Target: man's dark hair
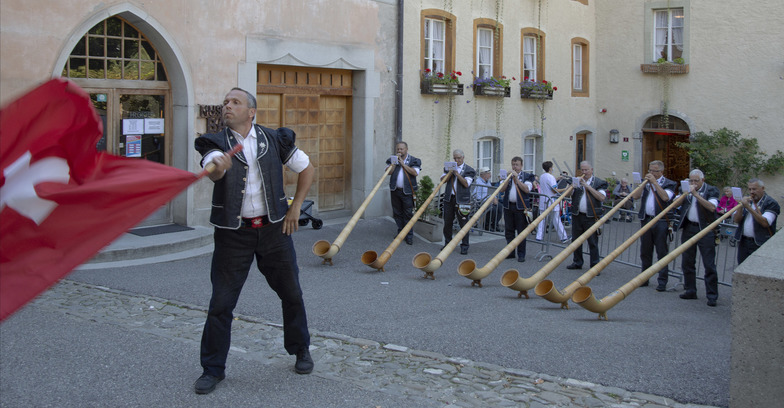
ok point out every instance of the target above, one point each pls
(547, 166)
(517, 159)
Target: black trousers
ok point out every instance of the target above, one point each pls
(707, 247)
(515, 222)
(746, 247)
(580, 223)
(231, 260)
(450, 212)
(402, 209)
(656, 237)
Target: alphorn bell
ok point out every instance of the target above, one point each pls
(423, 260)
(323, 248)
(468, 267)
(511, 278)
(546, 288)
(372, 259)
(584, 296)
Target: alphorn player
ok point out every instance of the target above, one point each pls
(587, 199)
(516, 202)
(698, 211)
(656, 196)
(457, 197)
(757, 221)
(402, 185)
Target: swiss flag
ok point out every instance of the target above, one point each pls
(61, 201)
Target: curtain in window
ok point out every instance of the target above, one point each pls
(529, 58)
(660, 34)
(434, 45)
(529, 154)
(677, 32)
(578, 67)
(485, 57)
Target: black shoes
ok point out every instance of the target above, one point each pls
(574, 266)
(304, 363)
(521, 259)
(206, 383)
(661, 288)
(409, 240)
(463, 251)
(712, 302)
(691, 295)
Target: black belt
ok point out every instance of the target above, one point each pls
(687, 222)
(255, 222)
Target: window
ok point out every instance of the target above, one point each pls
(533, 54)
(668, 34)
(484, 153)
(529, 155)
(434, 45)
(488, 48)
(484, 53)
(438, 48)
(580, 67)
(114, 49)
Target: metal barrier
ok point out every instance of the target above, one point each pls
(614, 233)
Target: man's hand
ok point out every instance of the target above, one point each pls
(222, 163)
(291, 221)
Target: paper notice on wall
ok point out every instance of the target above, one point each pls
(153, 126)
(737, 194)
(133, 126)
(133, 146)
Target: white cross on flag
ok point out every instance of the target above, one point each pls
(61, 201)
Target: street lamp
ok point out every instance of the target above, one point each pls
(614, 136)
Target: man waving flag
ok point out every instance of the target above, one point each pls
(61, 201)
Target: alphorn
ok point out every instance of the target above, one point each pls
(323, 248)
(423, 260)
(584, 296)
(511, 278)
(468, 267)
(546, 288)
(372, 259)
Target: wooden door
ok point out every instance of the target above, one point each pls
(579, 155)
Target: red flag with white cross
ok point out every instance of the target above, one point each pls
(61, 201)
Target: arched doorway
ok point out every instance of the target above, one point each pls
(659, 142)
(127, 81)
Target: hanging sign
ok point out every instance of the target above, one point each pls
(625, 155)
(133, 145)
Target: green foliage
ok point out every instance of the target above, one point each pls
(611, 183)
(425, 189)
(727, 159)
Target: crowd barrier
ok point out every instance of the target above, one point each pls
(614, 232)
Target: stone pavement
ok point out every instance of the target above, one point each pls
(412, 377)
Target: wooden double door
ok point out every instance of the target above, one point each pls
(316, 104)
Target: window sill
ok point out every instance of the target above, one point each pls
(495, 91)
(664, 68)
(428, 88)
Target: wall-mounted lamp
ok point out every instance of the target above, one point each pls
(614, 136)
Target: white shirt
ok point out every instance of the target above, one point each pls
(692, 215)
(547, 184)
(748, 225)
(583, 206)
(513, 190)
(454, 182)
(650, 206)
(254, 202)
(400, 175)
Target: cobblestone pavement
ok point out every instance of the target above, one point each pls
(430, 379)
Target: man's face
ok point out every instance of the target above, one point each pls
(696, 181)
(458, 158)
(586, 170)
(517, 166)
(401, 150)
(656, 171)
(485, 176)
(236, 111)
(755, 191)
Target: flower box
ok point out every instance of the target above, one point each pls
(490, 90)
(664, 68)
(527, 93)
(430, 88)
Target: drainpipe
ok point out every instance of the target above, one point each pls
(399, 76)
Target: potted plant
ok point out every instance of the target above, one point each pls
(439, 83)
(537, 89)
(493, 86)
(427, 226)
(662, 66)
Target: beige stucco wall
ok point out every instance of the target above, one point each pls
(475, 117)
(208, 43)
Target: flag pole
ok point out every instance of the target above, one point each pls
(210, 167)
